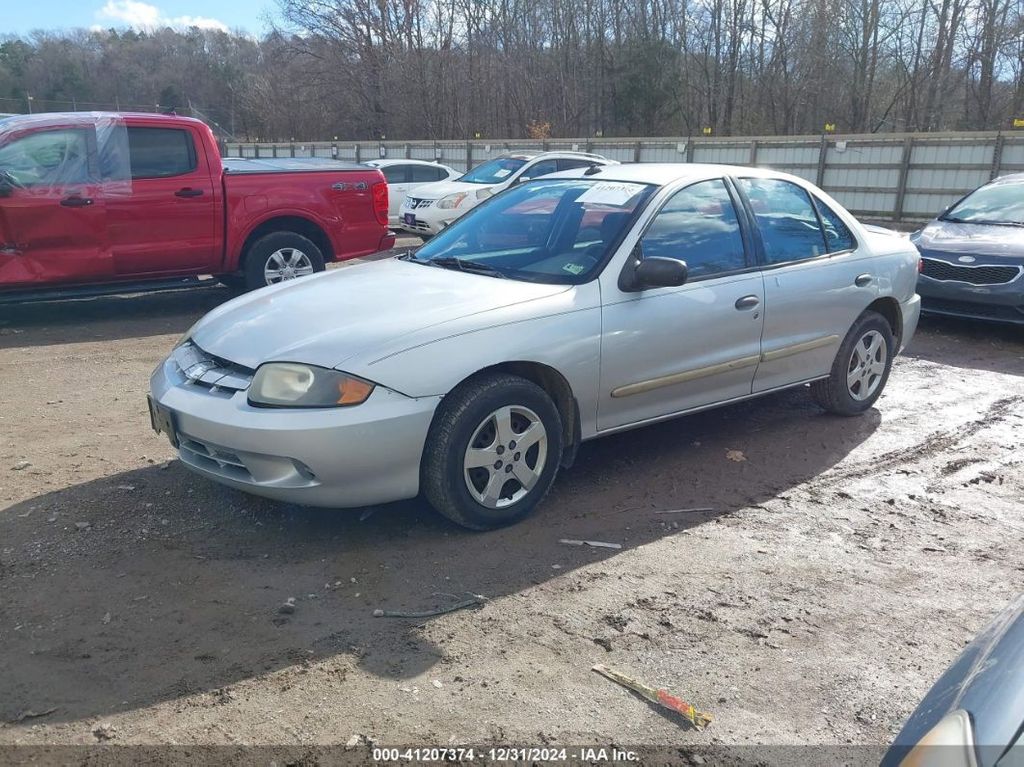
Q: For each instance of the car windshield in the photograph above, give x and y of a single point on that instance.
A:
(993, 204)
(494, 171)
(553, 231)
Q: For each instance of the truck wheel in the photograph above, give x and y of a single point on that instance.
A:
(861, 367)
(492, 452)
(281, 256)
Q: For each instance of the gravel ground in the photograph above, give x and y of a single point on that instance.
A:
(843, 564)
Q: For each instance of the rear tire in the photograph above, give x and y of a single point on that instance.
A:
(279, 257)
(861, 367)
(492, 452)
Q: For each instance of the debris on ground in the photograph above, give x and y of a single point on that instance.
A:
(288, 607)
(698, 719)
(476, 600)
(595, 544)
(20, 466)
(697, 510)
(106, 618)
(735, 455)
(83, 525)
(437, 683)
(103, 731)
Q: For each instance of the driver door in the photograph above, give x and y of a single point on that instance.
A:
(52, 214)
(667, 350)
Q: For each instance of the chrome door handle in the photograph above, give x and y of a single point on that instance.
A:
(863, 280)
(747, 302)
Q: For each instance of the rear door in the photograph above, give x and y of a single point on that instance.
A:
(666, 350)
(399, 185)
(816, 281)
(168, 222)
(52, 212)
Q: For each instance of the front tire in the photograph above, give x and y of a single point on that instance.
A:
(492, 452)
(279, 257)
(861, 367)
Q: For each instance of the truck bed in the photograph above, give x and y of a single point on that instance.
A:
(238, 165)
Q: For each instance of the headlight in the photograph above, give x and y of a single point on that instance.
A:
(950, 743)
(451, 201)
(288, 384)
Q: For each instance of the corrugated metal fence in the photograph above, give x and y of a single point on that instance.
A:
(892, 177)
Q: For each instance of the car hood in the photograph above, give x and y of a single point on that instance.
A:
(380, 307)
(954, 240)
(441, 189)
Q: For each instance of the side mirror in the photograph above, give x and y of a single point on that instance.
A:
(659, 272)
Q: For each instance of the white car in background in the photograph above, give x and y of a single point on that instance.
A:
(434, 206)
(403, 176)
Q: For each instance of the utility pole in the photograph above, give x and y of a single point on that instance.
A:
(30, 99)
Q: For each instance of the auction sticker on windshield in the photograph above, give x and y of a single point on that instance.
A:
(610, 193)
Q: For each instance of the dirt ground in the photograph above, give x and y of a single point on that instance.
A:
(844, 564)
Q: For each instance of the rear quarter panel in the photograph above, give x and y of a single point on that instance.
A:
(345, 215)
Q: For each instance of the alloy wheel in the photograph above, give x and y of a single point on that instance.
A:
(867, 365)
(286, 264)
(505, 456)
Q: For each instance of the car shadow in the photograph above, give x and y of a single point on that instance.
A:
(107, 318)
(971, 344)
(154, 584)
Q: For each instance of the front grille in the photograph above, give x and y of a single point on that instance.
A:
(973, 309)
(215, 459)
(974, 275)
(203, 369)
(419, 202)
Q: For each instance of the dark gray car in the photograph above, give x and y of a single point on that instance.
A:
(973, 255)
(974, 715)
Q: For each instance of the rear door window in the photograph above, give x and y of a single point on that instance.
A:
(698, 225)
(161, 152)
(789, 226)
(542, 168)
(569, 164)
(395, 174)
(424, 174)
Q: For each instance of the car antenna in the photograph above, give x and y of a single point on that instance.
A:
(592, 170)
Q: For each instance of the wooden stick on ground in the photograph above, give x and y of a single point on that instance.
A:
(698, 719)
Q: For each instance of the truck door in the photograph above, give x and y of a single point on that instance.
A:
(168, 222)
(52, 212)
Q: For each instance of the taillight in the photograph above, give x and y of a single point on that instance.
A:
(380, 202)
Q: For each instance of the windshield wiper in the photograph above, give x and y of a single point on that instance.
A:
(449, 262)
(981, 222)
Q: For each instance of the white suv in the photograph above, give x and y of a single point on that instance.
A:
(432, 207)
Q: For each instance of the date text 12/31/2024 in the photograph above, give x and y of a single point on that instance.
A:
(498, 754)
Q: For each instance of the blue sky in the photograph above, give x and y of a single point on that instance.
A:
(21, 17)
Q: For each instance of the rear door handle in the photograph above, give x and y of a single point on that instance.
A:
(863, 280)
(76, 202)
(189, 192)
(747, 302)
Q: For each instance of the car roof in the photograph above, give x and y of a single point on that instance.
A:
(1012, 178)
(667, 173)
(567, 153)
(403, 161)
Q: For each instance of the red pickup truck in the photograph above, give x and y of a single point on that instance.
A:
(96, 202)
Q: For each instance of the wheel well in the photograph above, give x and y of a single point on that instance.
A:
(889, 308)
(554, 383)
(296, 224)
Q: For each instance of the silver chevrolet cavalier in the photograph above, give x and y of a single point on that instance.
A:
(566, 308)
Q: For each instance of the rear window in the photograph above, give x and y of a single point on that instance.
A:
(161, 152)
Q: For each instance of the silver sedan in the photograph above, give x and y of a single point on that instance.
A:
(563, 309)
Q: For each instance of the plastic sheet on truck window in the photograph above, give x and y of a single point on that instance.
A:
(61, 151)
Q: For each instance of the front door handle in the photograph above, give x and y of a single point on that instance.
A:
(76, 201)
(863, 280)
(189, 192)
(747, 302)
